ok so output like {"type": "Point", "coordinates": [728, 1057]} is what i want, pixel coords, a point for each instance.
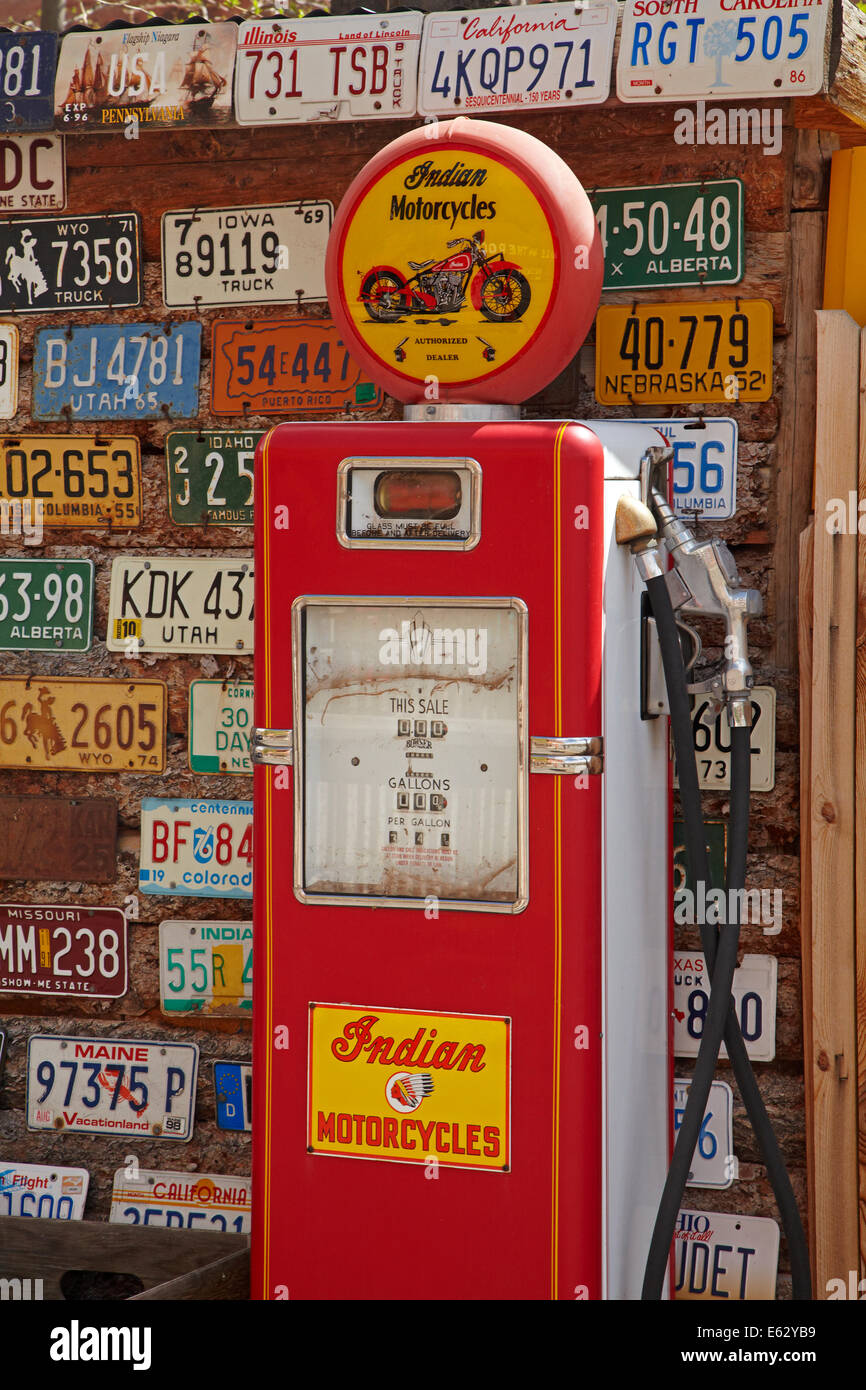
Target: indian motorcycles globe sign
{"type": "Point", "coordinates": [464, 264]}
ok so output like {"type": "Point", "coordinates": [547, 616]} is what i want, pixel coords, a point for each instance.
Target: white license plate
{"type": "Point", "coordinates": [185, 1201]}
{"type": "Point", "coordinates": [207, 968]}
{"type": "Point", "coordinates": [159, 604]}
{"type": "Point", "coordinates": [8, 370]}
{"type": "Point", "coordinates": [198, 849]}
{"type": "Point", "coordinates": [705, 465]}
{"type": "Point", "coordinates": [220, 720]}
{"type": "Point", "coordinates": [725, 1256]}
{"type": "Point", "coordinates": [754, 991]}
{"type": "Point", "coordinates": [102, 1086]}
{"type": "Point", "coordinates": [327, 69]}
{"type": "Point", "coordinates": [524, 59]}
{"type": "Point", "coordinates": [43, 1190]}
{"type": "Point", "coordinates": [713, 1163]}
{"type": "Point", "coordinates": [32, 173]}
{"type": "Point", "coordinates": [712, 738]}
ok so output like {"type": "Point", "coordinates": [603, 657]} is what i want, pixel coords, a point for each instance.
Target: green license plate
{"type": "Point", "coordinates": [210, 476]}
{"type": "Point", "coordinates": [717, 833]}
{"type": "Point", "coordinates": [670, 234]}
{"type": "Point", "coordinates": [46, 605]}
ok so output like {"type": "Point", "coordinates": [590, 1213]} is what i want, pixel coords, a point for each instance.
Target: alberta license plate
{"type": "Point", "coordinates": [206, 968]}
{"type": "Point", "coordinates": [286, 367]}
{"type": "Point", "coordinates": [185, 1201]}
{"type": "Point", "coordinates": [70, 263]}
{"type": "Point", "coordinates": [43, 1190]}
{"type": "Point", "coordinates": [671, 234]}
{"type": "Point", "coordinates": [196, 849]}
{"type": "Point", "coordinates": [158, 603]}
{"type": "Point", "coordinates": [71, 724]}
{"type": "Point", "coordinates": [713, 1163]}
{"type": "Point", "coordinates": [754, 992]}
{"type": "Point", "coordinates": [46, 605]}
{"type": "Point", "coordinates": [220, 720]}
{"type": "Point", "coordinates": [33, 172]}
{"type": "Point", "coordinates": [27, 66]}
{"type": "Point", "coordinates": [132, 371]}
{"type": "Point", "coordinates": [713, 742]}
{"type": "Point", "coordinates": [233, 1083]}
{"type": "Point", "coordinates": [9, 345]}
{"type": "Point", "coordinates": [210, 476]}
{"type": "Point", "coordinates": [73, 479]}
{"type": "Point", "coordinates": [671, 353]}
{"type": "Point", "coordinates": [63, 949]}
{"type": "Point", "coordinates": [725, 1255]}
{"type": "Point", "coordinates": [111, 1086]}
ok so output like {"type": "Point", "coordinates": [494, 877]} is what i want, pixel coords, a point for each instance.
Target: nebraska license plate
{"type": "Point", "coordinates": [206, 968]}
{"type": "Point", "coordinates": [286, 367]}
{"type": "Point", "coordinates": [43, 1190]}
{"type": "Point", "coordinates": [63, 949]}
{"type": "Point", "coordinates": [46, 605]}
{"type": "Point", "coordinates": [159, 603]}
{"type": "Point", "coordinates": [111, 1086]}
{"type": "Point", "coordinates": [32, 173]}
{"type": "Point", "coordinates": [27, 66]}
{"type": "Point", "coordinates": [185, 1201]}
{"type": "Point", "coordinates": [73, 479]}
{"type": "Point", "coordinates": [220, 720]}
{"type": "Point", "coordinates": [196, 849]}
{"type": "Point", "coordinates": [71, 724]}
{"type": "Point", "coordinates": [67, 263]}
{"type": "Point", "coordinates": [210, 476]}
{"type": "Point", "coordinates": [233, 1084]}
{"type": "Point", "coordinates": [9, 344]}
{"type": "Point", "coordinates": [131, 371]}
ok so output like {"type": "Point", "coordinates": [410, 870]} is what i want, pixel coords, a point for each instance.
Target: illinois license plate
{"type": "Point", "coordinates": [196, 849]}
{"type": "Point", "coordinates": [43, 1190]}
{"type": "Point", "coordinates": [220, 719]}
{"type": "Point", "coordinates": [210, 477]}
{"type": "Point", "coordinates": [67, 263]}
{"type": "Point", "coordinates": [344, 68]}
{"type": "Point", "coordinates": [32, 172]}
{"type": "Point", "coordinates": [271, 254]}
{"type": "Point", "coordinates": [132, 371]}
{"type": "Point", "coordinates": [73, 479]}
{"type": "Point", "coordinates": [63, 949]}
{"type": "Point", "coordinates": [160, 604]}
{"type": "Point", "coordinates": [233, 1083]}
{"type": "Point", "coordinates": [111, 1086]}
{"type": "Point", "coordinates": [206, 968]}
{"type": "Point", "coordinates": [713, 742]}
{"type": "Point", "coordinates": [27, 67]}
{"type": "Point", "coordinates": [46, 605]}
{"type": "Point", "coordinates": [671, 353]}
{"type": "Point", "coordinates": [185, 1201]}
{"type": "Point", "coordinates": [725, 1255]}
{"type": "Point", "coordinates": [713, 1163]}
{"type": "Point", "coordinates": [671, 234]}
{"type": "Point", "coordinates": [286, 367]}
{"type": "Point", "coordinates": [754, 993]}
{"type": "Point", "coordinates": [70, 724]}
{"type": "Point", "coordinates": [9, 342]}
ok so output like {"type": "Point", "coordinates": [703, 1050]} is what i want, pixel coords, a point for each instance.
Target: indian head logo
{"type": "Point", "coordinates": [405, 1092]}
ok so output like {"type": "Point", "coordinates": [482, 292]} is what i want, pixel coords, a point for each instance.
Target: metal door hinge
{"type": "Point", "coordinates": [567, 756]}
{"type": "Point", "coordinates": [272, 746]}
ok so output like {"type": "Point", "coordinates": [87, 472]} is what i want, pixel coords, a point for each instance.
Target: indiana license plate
{"type": "Point", "coordinates": [220, 720]}
{"type": "Point", "coordinates": [754, 993]}
{"type": "Point", "coordinates": [73, 479]}
{"type": "Point", "coordinates": [111, 1086]}
{"type": "Point", "coordinates": [70, 724]}
{"type": "Point", "coordinates": [133, 371]}
{"type": "Point", "coordinates": [210, 477]}
{"type": "Point", "coordinates": [43, 1190]}
{"type": "Point", "coordinates": [160, 604]}
{"type": "Point", "coordinates": [196, 849]}
{"type": "Point", "coordinates": [70, 263]}
{"type": "Point", "coordinates": [286, 367]}
{"type": "Point", "coordinates": [233, 1084]}
{"type": "Point", "coordinates": [185, 1201]}
{"type": "Point", "coordinates": [27, 67]}
{"type": "Point", "coordinates": [713, 1163]}
{"type": "Point", "coordinates": [63, 949]}
{"type": "Point", "coordinates": [206, 968]}
{"type": "Point", "coordinates": [725, 1255]}
{"type": "Point", "coordinates": [9, 344]}
{"type": "Point", "coordinates": [46, 605]}
{"type": "Point", "coordinates": [668, 234]}
{"type": "Point", "coordinates": [32, 173]}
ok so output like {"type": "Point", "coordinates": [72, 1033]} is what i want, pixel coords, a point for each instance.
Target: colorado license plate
{"type": "Point", "coordinates": [671, 353]}
{"type": "Point", "coordinates": [132, 371]}
{"type": "Point", "coordinates": [713, 742]}
{"type": "Point", "coordinates": [206, 967]}
{"type": "Point", "coordinates": [73, 479]}
{"type": "Point", "coordinates": [68, 263]}
{"type": "Point", "coordinates": [43, 1190]}
{"type": "Point", "coordinates": [754, 992]}
{"type": "Point", "coordinates": [196, 849]}
{"type": "Point", "coordinates": [111, 1086]}
{"type": "Point", "coordinates": [63, 949]}
{"type": "Point", "coordinates": [233, 1084]}
{"type": "Point", "coordinates": [27, 66]}
{"type": "Point", "coordinates": [32, 172]}
{"type": "Point", "coordinates": [46, 605]}
{"type": "Point", "coordinates": [713, 1163]}
{"type": "Point", "coordinates": [160, 604]}
{"type": "Point", "coordinates": [9, 343]}
{"type": "Point", "coordinates": [671, 234]}
{"type": "Point", "coordinates": [70, 724]}
{"type": "Point", "coordinates": [220, 719]}
{"type": "Point", "coordinates": [210, 477]}
{"type": "Point", "coordinates": [286, 367]}
{"type": "Point", "coordinates": [725, 1255]}
{"type": "Point", "coordinates": [185, 1201]}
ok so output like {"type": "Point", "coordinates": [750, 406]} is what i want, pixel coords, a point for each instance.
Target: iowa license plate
{"type": "Point", "coordinates": [70, 263]}
{"type": "Point", "coordinates": [196, 849]}
{"type": "Point", "coordinates": [69, 724]}
{"type": "Point", "coordinates": [160, 604]}
{"type": "Point", "coordinates": [46, 605]}
{"type": "Point", "coordinates": [671, 234]}
{"type": "Point", "coordinates": [73, 479]}
{"type": "Point", "coordinates": [27, 67]}
{"type": "Point", "coordinates": [206, 968]}
{"type": "Point", "coordinates": [43, 1190]}
{"type": "Point", "coordinates": [63, 949]}
{"type": "Point", "coordinates": [210, 477]}
{"type": "Point", "coordinates": [220, 719]}
{"type": "Point", "coordinates": [185, 1201]}
{"type": "Point", "coordinates": [666, 354]}
{"type": "Point", "coordinates": [233, 1084]}
{"type": "Point", "coordinates": [133, 371]}
{"type": "Point", "coordinates": [9, 344]}
{"type": "Point", "coordinates": [32, 173]}
{"type": "Point", "coordinates": [286, 367]}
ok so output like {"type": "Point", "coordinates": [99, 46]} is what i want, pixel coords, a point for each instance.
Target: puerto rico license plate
{"type": "Point", "coordinates": [46, 605]}
{"type": "Point", "coordinates": [286, 367]}
{"type": "Point", "coordinates": [233, 1084]}
{"type": "Point", "coordinates": [206, 968]}
{"type": "Point", "coordinates": [9, 344]}
{"type": "Point", "coordinates": [43, 1190]}
{"type": "Point", "coordinates": [158, 603]}
{"type": "Point", "coordinates": [721, 1255]}
{"type": "Point", "coordinates": [220, 719]}
{"type": "Point", "coordinates": [65, 263]}
{"type": "Point", "coordinates": [73, 479]}
{"type": "Point", "coordinates": [666, 354]}
{"type": "Point", "coordinates": [754, 993]}
{"type": "Point", "coordinates": [668, 234]}
{"type": "Point", "coordinates": [186, 1201]}
{"type": "Point", "coordinates": [32, 172]}
{"type": "Point", "coordinates": [713, 1163]}
{"type": "Point", "coordinates": [62, 949]}
{"type": "Point", "coordinates": [27, 67]}
{"type": "Point", "coordinates": [210, 477]}
{"type": "Point", "coordinates": [132, 371]}
{"type": "Point", "coordinates": [196, 849]}
{"type": "Point", "coordinates": [111, 1086]}
{"type": "Point", "coordinates": [71, 724]}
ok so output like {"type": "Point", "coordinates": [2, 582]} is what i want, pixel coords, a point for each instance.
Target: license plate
{"type": "Point", "coordinates": [717, 849]}
{"type": "Point", "coordinates": [206, 968]}
{"type": "Point", "coordinates": [666, 354]}
{"type": "Point", "coordinates": [73, 479]}
{"type": "Point", "coordinates": [210, 477]}
{"type": "Point", "coordinates": [58, 838]}
{"type": "Point", "coordinates": [27, 66]}
{"type": "Point", "coordinates": [43, 1190]}
{"type": "Point", "coordinates": [327, 69]}
{"type": "Point", "coordinates": [713, 742]}
{"type": "Point", "coordinates": [160, 604]}
{"type": "Point", "coordinates": [46, 605]}
{"type": "Point", "coordinates": [713, 1163]}
{"type": "Point", "coordinates": [705, 464]}
{"type": "Point", "coordinates": [260, 255]}
{"type": "Point", "coordinates": [196, 849]}
{"type": "Point", "coordinates": [32, 172]}
{"type": "Point", "coordinates": [69, 724]}
{"type": "Point", "coordinates": [111, 1086]}
{"type": "Point", "coordinates": [233, 1083]}
{"type": "Point", "coordinates": [133, 371]}
{"type": "Point", "coordinates": [62, 949]}
{"type": "Point", "coordinates": [186, 1201]}
{"type": "Point", "coordinates": [754, 992]}
{"type": "Point", "coordinates": [9, 341]}
{"type": "Point", "coordinates": [660, 235]}
{"type": "Point", "coordinates": [220, 720]}
{"type": "Point", "coordinates": [169, 76]}
{"type": "Point", "coordinates": [720, 1255]}
{"type": "Point", "coordinates": [667, 54]}
{"type": "Point", "coordinates": [286, 367]}
{"type": "Point", "coordinates": [557, 55]}
{"type": "Point", "coordinates": [60, 263]}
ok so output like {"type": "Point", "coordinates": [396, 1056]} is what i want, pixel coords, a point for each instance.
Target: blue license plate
{"type": "Point", "coordinates": [27, 67]}
{"type": "Point", "coordinates": [133, 371]}
{"type": "Point", "coordinates": [233, 1083]}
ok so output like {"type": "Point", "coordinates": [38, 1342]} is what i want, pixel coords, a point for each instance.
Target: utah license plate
{"type": "Point", "coordinates": [68, 263]}
{"type": "Point", "coordinates": [160, 604]}
{"type": "Point", "coordinates": [32, 172]}
{"type": "Point", "coordinates": [70, 724]}
{"type": "Point", "coordinates": [132, 371]}
{"type": "Point", "coordinates": [724, 1255]}
{"type": "Point", "coordinates": [46, 605]}
{"type": "Point", "coordinates": [233, 1083]}
{"type": "Point", "coordinates": [220, 719]}
{"type": "Point", "coordinates": [207, 968]}
{"type": "Point", "coordinates": [713, 1163]}
{"type": "Point", "coordinates": [27, 67]}
{"type": "Point", "coordinates": [43, 1190]}
{"type": "Point", "coordinates": [63, 949]}
{"type": "Point", "coordinates": [286, 367]}
{"type": "Point", "coordinates": [185, 1201]}
{"type": "Point", "coordinates": [73, 479]}
{"type": "Point", "coordinates": [9, 344]}
{"type": "Point", "coordinates": [196, 849]}
{"type": "Point", "coordinates": [754, 994]}
{"type": "Point", "coordinates": [671, 234]}
{"type": "Point", "coordinates": [210, 477]}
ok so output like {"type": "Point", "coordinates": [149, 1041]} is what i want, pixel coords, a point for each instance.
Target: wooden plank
{"type": "Point", "coordinates": [807, 566]}
{"type": "Point", "coordinates": [847, 90]}
{"type": "Point", "coordinates": [811, 183]}
{"type": "Point", "coordinates": [227, 1278]}
{"type": "Point", "coordinates": [860, 802]}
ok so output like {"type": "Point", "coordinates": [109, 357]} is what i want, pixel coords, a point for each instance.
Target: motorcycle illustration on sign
{"type": "Point", "coordinates": [498, 289]}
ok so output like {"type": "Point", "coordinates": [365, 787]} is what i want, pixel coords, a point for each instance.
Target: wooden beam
{"type": "Point", "coordinates": [807, 564]}
{"type": "Point", "coordinates": [227, 1278]}
{"type": "Point", "coordinates": [847, 89]}
{"type": "Point", "coordinates": [860, 804]}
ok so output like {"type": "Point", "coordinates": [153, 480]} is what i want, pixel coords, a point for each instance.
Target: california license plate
{"type": "Point", "coordinates": [132, 371]}
{"type": "Point", "coordinates": [754, 992]}
{"type": "Point", "coordinates": [660, 235]}
{"type": "Point", "coordinates": [220, 720]}
{"type": "Point", "coordinates": [725, 1255]}
{"type": "Point", "coordinates": [63, 949]}
{"type": "Point", "coordinates": [206, 968]}
{"type": "Point", "coordinates": [184, 1201]}
{"type": "Point", "coordinates": [111, 1086]}
{"type": "Point", "coordinates": [210, 477]}
{"type": "Point", "coordinates": [286, 367]}
{"type": "Point", "coordinates": [196, 849]}
{"type": "Point", "coordinates": [43, 1190]}
{"type": "Point", "coordinates": [46, 605]}
{"type": "Point", "coordinates": [712, 738]}
{"type": "Point", "coordinates": [9, 343]}
{"type": "Point", "coordinates": [666, 354]}
{"type": "Point", "coordinates": [233, 1084]}
{"type": "Point", "coordinates": [158, 603]}
{"type": "Point", "coordinates": [32, 172]}
{"type": "Point", "coordinates": [27, 67]}
{"type": "Point", "coordinates": [67, 263]}
{"type": "Point", "coordinates": [704, 465]}
{"type": "Point", "coordinates": [71, 724]}
{"type": "Point", "coordinates": [73, 479]}
{"type": "Point", "coordinates": [713, 1163]}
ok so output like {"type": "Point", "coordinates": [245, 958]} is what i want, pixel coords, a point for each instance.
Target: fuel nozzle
{"type": "Point", "coordinates": [637, 528]}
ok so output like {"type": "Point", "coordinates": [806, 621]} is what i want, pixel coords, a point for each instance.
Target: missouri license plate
{"type": "Point", "coordinates": [220, 719]}
{"type": "Point", "coordinates": [286, 367]}
{"type": "Point", "coordinates": [9, 344]}
{"type": "Point", "coordinates": [32, 173]}
{"type": "Point", "coordinates": [725, 1255]}
{"type": "Point", "coordinates": [63, 949]}
{"type": "Point", "coordinates": [666, 354]}
{"type": "Point", "coordinates": [46, 605]}
{"type": "Point", "coordinates": [43, 1190]}
{"type": "Point", "coordinates": [671, 234]}
{"type": "Point", "coordinates": [206, 968]}
{"type": "Point", "coordinates": [233, 1084]}
{"type": "Point", "coordinates": [210, 476]}
{"type": "Point", "coordinates": [73, 479]}
{"type": "Point", "coordinates": [27, 66]}
{"type": "Point", "coordinates": [133, 371]}
{"type": "Point", "coordinates": [197, 849]}
{"type": "Point", "coordinates": [161, 604]}
{"type": "Point", "coordinates": [71, 724]}
{"type": "Point", "coordinates": [68, 263]}
{"type": "Point", "coordinates": [184, 1201]}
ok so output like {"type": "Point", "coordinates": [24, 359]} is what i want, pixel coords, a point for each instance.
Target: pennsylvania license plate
{"type": "Point", "coordinates": [233, 1083]}
{"type": "Point", "coordinates": [32, 172]}
{"type": "Point", "coordinates": [158, 603]}
{"type": "Point", "coordinates": [111, 1086]}
{"type": "Point", "coordinates": [196, 849]}
{"type": "Point", "coordinates": [705, 464]}
{"type": "Point", "coordinates": [286, 367]}
{"type": "Point", "coordinates": [63, 949]}
{"type": "Point", "coordinates": [132, 371]}
{"type": "Point", "coordinates": [46, 605]}
{"type": "Point", "coordinates": [73, 479]}
{"type": "Point", "coordinates": [713, 1163]}
{"type": "Point", "coordinates": [43, 1190]}
{"type": "Point", "coordinates": [671, 234]}
{"type": "Point", "coordinates": [185, 1201]}
{"type": "Point", "coordinates": [206, 968]}
{"type": "Point", "coordinates": [67, 263]}
{"type": "Point", "coordinates": [220, 720]}
{"type": "Point", "coordinates": [725, 1255]}
{"type": "Point", "coordinates": [667, 354]}
{"type": "Point", "coordinates": [210, 477]}
{"type": "Point", "coordinates": [754, 993]}
{"type": "Point", "coordinates": [9, 343]}
{"type": "Point", "coordinates": [70, 724]}
{"type": "Point", "coordinates": [27, 67]}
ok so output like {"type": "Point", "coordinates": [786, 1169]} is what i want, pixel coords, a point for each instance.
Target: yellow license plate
{"type": "Point", "coordinates": [73, 479]}
{"type": "Point", "coordinates": [663, 354]}
{"type": "Point", "coordinates": [72, 725]}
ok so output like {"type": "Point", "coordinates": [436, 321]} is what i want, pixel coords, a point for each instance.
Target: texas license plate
{"type": "Point", "coordinates": [9, 343]}
{"type": "Point", "coordinates": [220, 720]}
{"type": "Point", "coordinates": [160, 604]}
{"type": "Point", "coordinates": [668, 234]}
{"type": "Point", "coordinates": [196, 849]}
{"type": "Point", "coordinates": [70, 724]}
{"type": "Point", "coordinates": [206, 968]}
{"type": "Point", "coordinates": [665, 354]}
{"type": "Point", "coordinates": [345, 68]}
{"type": "Point", "coordinates": [70, 263]}
{"type": "Point", "coordinates": [111, 1086]}
{"type": "Point", "coordinates": [63, 949]}
{"type": "Point", "coordinates": [713, 1163]}
{"type": "Point", "coordinates": [271, 254]}
{"type": "Point", "coordinates": [132, 371]}
{"type": "Point", "coordinates": [712, 738]}
{"type": "Point", "coordinates": [704, 466]}
{"type": "Point", "coordinates": [46, 605]}
{"type": "Point", "coordinates": [32, 172]}
{"type": "Point", "coordinates": [210, 477]}
{"type": "Point", "coordinates": [754, 991]}
{"type": "Point", "coordinates": [73, 479]}
{"type": "Point", "coordinates": [27, 67]}
{"type": "Point", "coordinates": [286, 367]}
{"type": "Point", "coordinates": [185, 1201]}
{"type": "Point", "coordinates": [724, 1255]}
{"type": "Point", "coordinates": [233, 1083]}
{"type": "Point", "coordinates": [43, 1190]}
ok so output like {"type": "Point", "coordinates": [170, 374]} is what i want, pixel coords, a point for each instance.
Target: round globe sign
{"type": "Point", "coordinates": [464, 264]}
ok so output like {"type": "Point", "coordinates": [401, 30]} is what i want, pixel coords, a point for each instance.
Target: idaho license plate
{"type": "Point", "coordinates": [46, 605]}
{"type": "Point", "coordinates": [210, 477]}
{"type": "Point", "coordinates": [70, 724]}
{"type": "Point", "coordinates": [196, 849]}
{"type": "Point", "coordinates": [220, 719]}
{"type": "Point", "coordinates": [161, 604]}
{"type": "Point", "coordinates": [286, 367]}
{"type": "Point", "coordinates": [9, 344]}
{"type": "Point", "coordinates": [724, 1255]}
{"type": "Point", "coordinates": [754, 992]}
{"type": "Point", "coordinates": [668, 234]}
{"type": "Point", "coordinates": [233, 1083]}
{"type": "Point", "coordinates": [27, 66]}
{"type": "Point", "coordinates": [33, 172]}
{"type": "Point", "coordinates": [713, 742]}
{"type": "Point", "coordinates": [70, 263]}
{"type": "Point", "coordinates": [63, 949]}
{"type": "Point", "coordinates": [185, 1201]}
{"type": "Point", "coordinates": [713, 1163]}
{"type": "Point", "coordinates": [207, 968]}
{"type": "Point", "coordinates": [73, 479]}
{"type": "Point", "coordinates": [132, 371]}
{"type": "Point", "coordinates": [111, 1086]}
{"type": "Point", "coordinates": [43, 1190]}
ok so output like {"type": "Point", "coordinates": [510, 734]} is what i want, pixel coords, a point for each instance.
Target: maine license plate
{"type": "Point", "coordinates": [46, 605]}
{"type": "Point", "coordinates": [220, 719]}
{"type": "Point", "coordinates": [70, 263]}
{"type": "Point", "coordinates": [9, 343]}
{"type": "Point", "coordinates": [210, 477]}
{"type": "Point", "coordinates": [725, 1256]}
{"type": "Point", "coordinates": [43, 1190]}
{"type": "Point", "coordinates": [497, 60]}
{"type": "Point", "coordinates": [32, 172]}
{"type": "Point", "coordinates": [754, 992]}
{"type": "Point", "coordinates": [206, 968]}
{"type": "Point", "coordinates": [327, 69]}
{"type": "Point", "coordinates": [196, 849]}
{"type": "Point", "coordinates": [259, 255]}
{"type": "Point", "coordinates": [233, 1084]}
{"type": "Point", "coordinates": [665, 354]}
{"type": "Point", "coordinates": [111, 1086]}
{"type": "Point", "coordinates": [705, 464]}
{"type": "Point", "coordinates": [55, 949]}
{"type": "Point", "coordinates": [27, 67]}
{"type": "Point", "coordinates": [131, 371]}
{"type": "Point", "coordinates": [71, 724]}
{"type": "Point", "coordinates": [158, 603]}
{"type": "Point", "coordinates": [286, 367]}
{"type": "Point", "coordinates": [185, 1201]}
{"type": "Point", "coordinates": [713, 742]}
{"type": "Point", "coordinates": [659, 235]}
{"type": "Point", "coordinates": [73, 479]}
{"type": "Point", "coordinates": [713, 1163]}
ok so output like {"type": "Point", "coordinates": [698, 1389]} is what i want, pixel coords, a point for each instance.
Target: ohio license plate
{"type": "Point", "coordinates": [70, 724]}
{"type": "Point", "coordinates": [9, 341]}
{"type": "Point", "coordinates": [667, 234]}
{"type": "Point", "coordinates": [327, 69]}
{"type": "Point", "coordinates": [185, 1201]}
{"type": "Point", "coordinates": [220, 719]}
{"type": "Point", "coordinates": [210, 477]}
{"type": "Point", "coordinates": [160, 604]}
{"type": "Point", "coordinates": [27, 67]}
{"type": "Point", "coordinates": [206, 968]}
{"type": "Point", "coordinates": [286, 367]}
{"type": "Point", "coordinates": [233, 1083]}
{"type": "Point", "coordinates": [713, 1163]}
{"type": "Point", "coordinates": [55, 949]}
{"type": "Point", "coordinates": [73, 479]}
{"type": "Point", "coordinates": [705, 464]}
{"type": "Point", "coordinates": [754, 992]}
{"type": "Point", "coordinates": [43, 1190]}
{"type": "Point", "coordinates": [132, 371]}
{"type": "Point", "coordinates": [32, 172]}
{"type": "Point", "coordinates": [196, 849]}
{"type": "Point", "coordinates": [495, 59]}
{"type": "Point", "coordinates": [111, 1086]}
{"type": "Point", "coordinates": [259, 255]}
{"type": "Point", "coordinates": [713, 742]}
{"type": "Point", "coordinates": [70, 263]}
{"type": "Point", "coordinates": [46, 605]}
{"type": "Point", "coordinates": [725, 1255]}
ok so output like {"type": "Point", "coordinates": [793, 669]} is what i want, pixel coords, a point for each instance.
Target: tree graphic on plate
{"type": "Point", "coordinates": [720, 41]}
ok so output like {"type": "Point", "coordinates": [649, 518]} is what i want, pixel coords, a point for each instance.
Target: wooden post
{"type": "Point", "coordinates": [807, 560]}
{"type": "Point", "coordinates": [860, 805]}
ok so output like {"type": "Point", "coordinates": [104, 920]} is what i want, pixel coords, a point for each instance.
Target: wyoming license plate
{"type": "Point", "coordinates": [210, 477]}
{"type": "Point", "coordinates": [220, 719]}
{"type": "Point", "coordinates": [68, 263]}
{"type": "Point", "coordinates": [73, 479]}
{"type": "Point", "coordinates": [286, 367]}
{"type": "Point", "coordinates": [161, 604]}
{"type": "Point", "coordinates": [207, 968]}
{"type": "Point", "coordinates": [70, 724]}
{"type": "Point", "coordinates": [196, 849]}
{"type": "Point", "coordinates": [46, 605]}
{"type": "Point", "coordinates": [132, 371]}
{"type": "Point", "coordinates": [55, 949]}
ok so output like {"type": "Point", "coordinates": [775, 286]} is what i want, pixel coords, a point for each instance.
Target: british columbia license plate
{"type": "Point", "coordinates": [63, 949]}
{"type": "Point", "coordinates": [233, 1084]}
{"type": "Point", "coordinates": [9, 344]}
{"type": "Point", "coordinates": [210, 476]}
{"type": "Point", "coordinates": [73, 479]}
{"type": "Point", "coordinates": [185, 1201]}
{"type": "Point", "coordinates": [159, 603]}
{"type": "Point", "coordinates": [705, 464]}
{"type": "Point", "coordinates": [70, 724]}
{"type": "Point", "coordinates": [220, 720]}
{"type": "Point", "coordinates": [671, 234]}
{"type": "Point", "coordinates": [66, 263]}
{"type": "Point", "coordinates": [286, 367]}
{"type": "Point", "coordinates": [132, 371]}
{"type": "Point", "coordinates": [43, 1190]}
{"type": "Point", "coordinates": [725, 1255]}
{"type": "Point", "coordinates": [197, 849]}
{"type": "Point", "coordinates": [27, 67]}
{"type": "Point", "coordinates": [206, 968]}
{"type": "Point", "coordinates": [32, 173]}
{"type": "Point", "coordinates": [111, 1086]}
{"type": "Point", "coordinates": [46, 605]}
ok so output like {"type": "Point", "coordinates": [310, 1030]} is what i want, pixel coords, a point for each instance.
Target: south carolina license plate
{"type": "Point", "coordinates": [68, 263]}
{"type": "Point", "coordinates": [210, 477]}
{"type": "Point", "coordinates": [43, 1190]}
{"type": "Point", "coordinates": [185, 1201]}
{"type": "Point", "coordinates": [46, 605]}
{"type": "Point", "coordinates": [161, 604]}
{"type": "Point", "coordinates": [286, 367]}
{"type": "Point", "coordinates": [56, 948]}
{"type": "Point", "coordinates": [70, 724]}
{"type": "Point", "coordinates": [220, 719]}
{"type": "Point", "coordinates": [73, 479]}
{"type": "Point", "coordinates": [197, 849]}
{"type": "Point", "coordinates": [132, 371]}
{"type": "Point", "coordinates": [207, 968]}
